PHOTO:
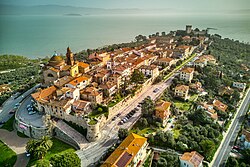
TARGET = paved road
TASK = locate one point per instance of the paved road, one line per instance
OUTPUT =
(226, 145)
(10, 104)
(17, 144)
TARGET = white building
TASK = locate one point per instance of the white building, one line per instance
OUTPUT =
(187, 74)
(239, 85)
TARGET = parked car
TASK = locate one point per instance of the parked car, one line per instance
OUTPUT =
(1, 122)
(234, 151)
(156, 90)
(17, 104)
(28, 106)
(31, 112)
(118, 114)
(12, 112)
(27, 154)
(30, 109)
(236, 147)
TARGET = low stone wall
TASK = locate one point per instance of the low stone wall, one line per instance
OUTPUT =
(114, 110)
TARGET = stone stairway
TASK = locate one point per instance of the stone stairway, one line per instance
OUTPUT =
(72, 136)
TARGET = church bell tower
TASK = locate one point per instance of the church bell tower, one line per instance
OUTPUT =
(69, 57)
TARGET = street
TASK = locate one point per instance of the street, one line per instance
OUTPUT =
(223, 151)
(110, 131)
(10, 104)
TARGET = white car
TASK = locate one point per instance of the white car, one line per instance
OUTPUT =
(31, 112)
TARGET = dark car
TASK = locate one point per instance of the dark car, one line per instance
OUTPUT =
(1, 122)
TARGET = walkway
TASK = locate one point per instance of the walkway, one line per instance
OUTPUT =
(17, 144)
(73, 134)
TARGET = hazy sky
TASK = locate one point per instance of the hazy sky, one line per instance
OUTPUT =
(175, 4)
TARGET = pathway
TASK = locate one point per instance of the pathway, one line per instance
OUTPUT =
(17, 144)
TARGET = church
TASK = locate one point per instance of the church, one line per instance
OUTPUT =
(58, 68)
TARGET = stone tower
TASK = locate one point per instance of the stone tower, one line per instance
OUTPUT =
(69, 57)
(188, 29)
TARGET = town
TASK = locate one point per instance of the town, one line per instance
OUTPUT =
(166, 101)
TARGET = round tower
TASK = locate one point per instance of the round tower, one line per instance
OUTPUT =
(93, 130)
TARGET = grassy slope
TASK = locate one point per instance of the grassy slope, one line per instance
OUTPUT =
(57, 148)
(7, 156)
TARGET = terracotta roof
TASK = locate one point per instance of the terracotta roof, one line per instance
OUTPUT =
(78, 80)
(166, 59)
(163, 105)
(54, 69)
(200, 60)
(150, 67)
(83, 65)
(108, 85)
(90, 91)
(43, 95)
(208, 57)
(126, 151)
(219, 105)
(186, 37)
(79, 106)
(183, 47)
(63, 103)
(62, 81)
(187, 70)
(193, 157)
(182, 87)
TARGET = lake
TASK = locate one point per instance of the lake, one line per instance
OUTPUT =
(40, 36)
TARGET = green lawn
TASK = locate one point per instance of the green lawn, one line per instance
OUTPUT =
(57, 148)
(185, 106)
(147, 130)
(7, 156)
(9, 124)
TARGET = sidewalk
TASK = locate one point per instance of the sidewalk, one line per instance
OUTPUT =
(17, 144)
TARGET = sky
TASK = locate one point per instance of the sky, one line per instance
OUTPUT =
(207, 5)
(212, 5)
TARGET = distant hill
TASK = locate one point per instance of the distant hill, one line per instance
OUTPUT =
(65, 10)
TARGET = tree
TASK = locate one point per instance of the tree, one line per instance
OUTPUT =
(43, 163)
(40, 152)
(39, 147)
(207, 147)
(162, 162)
(122, 133)
(144, 122)
(246, 155)
(137, 77)
(68, 159)
(163, 33)
(31, 146)
(46, 142)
